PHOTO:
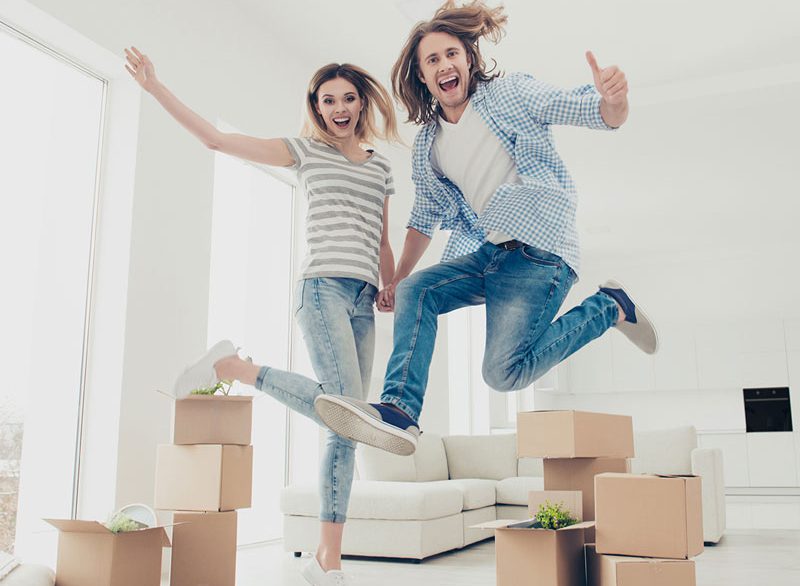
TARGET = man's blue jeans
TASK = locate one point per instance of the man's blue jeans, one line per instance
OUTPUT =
(338, 325)
(523, 290)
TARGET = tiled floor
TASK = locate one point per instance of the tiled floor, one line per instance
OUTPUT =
(742, 558)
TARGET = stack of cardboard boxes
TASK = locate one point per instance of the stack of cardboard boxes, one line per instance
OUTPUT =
(576, 446)
(657, 519)
(648, 526)
(204, 477)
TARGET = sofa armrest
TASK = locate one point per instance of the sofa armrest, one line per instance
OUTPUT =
(707, 464)
(30, 575)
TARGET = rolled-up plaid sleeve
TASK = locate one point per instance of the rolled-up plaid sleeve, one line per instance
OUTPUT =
(425, 214)
(551, 105)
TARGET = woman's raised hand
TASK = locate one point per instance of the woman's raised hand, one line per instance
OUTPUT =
(141, 69)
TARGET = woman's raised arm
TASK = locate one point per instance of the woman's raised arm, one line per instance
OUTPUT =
(269, 151)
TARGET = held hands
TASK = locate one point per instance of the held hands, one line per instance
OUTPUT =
(141, 69)
(384, 301)
(610, 82)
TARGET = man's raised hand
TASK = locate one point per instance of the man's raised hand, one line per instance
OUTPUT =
(609, 81)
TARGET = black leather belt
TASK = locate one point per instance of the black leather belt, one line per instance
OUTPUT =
(511, 244)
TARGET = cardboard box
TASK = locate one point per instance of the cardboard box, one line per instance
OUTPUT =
(213, 419)
(88, 553)
(612, 570)
(527, 556)
(204, 477)
(572, 501)
(578, 474)
(574, 434)
(204, 549)
(649, 515)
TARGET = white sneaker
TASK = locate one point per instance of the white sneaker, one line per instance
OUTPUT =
(316, 576)
(201, 374)
(637, 326)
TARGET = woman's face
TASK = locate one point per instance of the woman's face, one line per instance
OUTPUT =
(339, 105)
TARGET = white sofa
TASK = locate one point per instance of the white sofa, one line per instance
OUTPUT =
(421, 505)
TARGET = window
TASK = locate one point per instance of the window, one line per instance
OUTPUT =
(250, 295)
(51, 113)
(475, 408)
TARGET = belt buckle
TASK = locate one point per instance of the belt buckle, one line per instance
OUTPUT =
(511, 244)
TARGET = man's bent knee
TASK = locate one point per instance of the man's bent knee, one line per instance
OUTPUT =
(500, 379)
(508, 379)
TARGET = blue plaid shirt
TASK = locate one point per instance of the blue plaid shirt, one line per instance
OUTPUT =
(541, 209)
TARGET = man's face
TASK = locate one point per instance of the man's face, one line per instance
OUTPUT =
(444, 67)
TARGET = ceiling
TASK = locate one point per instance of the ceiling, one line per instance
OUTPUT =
(656, 41)
(704, 76)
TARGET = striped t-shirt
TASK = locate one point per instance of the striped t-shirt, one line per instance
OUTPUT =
(345, 210)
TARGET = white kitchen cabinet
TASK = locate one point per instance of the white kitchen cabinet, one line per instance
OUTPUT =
(771, 459)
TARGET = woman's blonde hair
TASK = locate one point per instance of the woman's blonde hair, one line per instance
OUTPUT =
(373, 96)
(469, 23)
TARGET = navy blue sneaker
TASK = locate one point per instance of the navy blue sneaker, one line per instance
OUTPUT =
(375, 424)
(637, 327)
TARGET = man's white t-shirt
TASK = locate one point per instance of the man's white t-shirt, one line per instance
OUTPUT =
(471, 156)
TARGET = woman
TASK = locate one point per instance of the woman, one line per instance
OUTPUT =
(348, 191)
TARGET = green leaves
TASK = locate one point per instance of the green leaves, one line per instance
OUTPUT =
(121, 523)
(223, 387)
(554, 516)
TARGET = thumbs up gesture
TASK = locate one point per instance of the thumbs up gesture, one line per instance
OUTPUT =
(609, 81)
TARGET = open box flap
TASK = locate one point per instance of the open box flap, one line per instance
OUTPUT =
(242, 398)
(526, 524)
(74, 526)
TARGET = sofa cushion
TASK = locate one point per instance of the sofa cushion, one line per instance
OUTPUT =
(664, 451)
(430, 458)
(375, 464)
(477, 492)
(514, 491)
(382, 500)
(481, 456)
(530, 467)
(428, 462)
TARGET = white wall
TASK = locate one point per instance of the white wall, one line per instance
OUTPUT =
(708, 203)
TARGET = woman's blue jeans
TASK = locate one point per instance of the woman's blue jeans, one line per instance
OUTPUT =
(336, 318)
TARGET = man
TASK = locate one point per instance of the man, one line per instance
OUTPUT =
(485, 167)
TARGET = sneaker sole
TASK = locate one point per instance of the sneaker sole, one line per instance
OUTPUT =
(352, 423)
(642, 319)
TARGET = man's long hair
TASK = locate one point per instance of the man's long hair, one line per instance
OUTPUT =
(469, 23)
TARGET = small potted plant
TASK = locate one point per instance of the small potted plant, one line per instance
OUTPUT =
(223, 387)
(554, 516)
